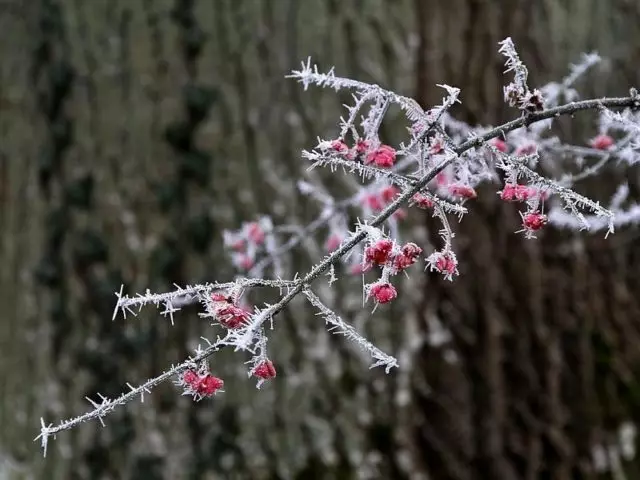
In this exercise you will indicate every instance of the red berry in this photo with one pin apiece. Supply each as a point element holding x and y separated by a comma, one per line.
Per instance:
<point>464,191</point>
<point>602,142</point>
<point>422,201</point>
<point>383,292</point>
<point>500,145</point>
<point>232,316</point>
<point>407,257</point>
<point>208,385</point>
<point>265,370</point>
<point>389,193</point>
<point>332,243</point>
<point>527,149</point>
<point>362,146</point>
<point>373,202</point>
<point>190,377</point>
<point>339,146</point>
<point>379,252</point>
<point>534,221</point>
<point>384,156</point>
<point>255,233</point>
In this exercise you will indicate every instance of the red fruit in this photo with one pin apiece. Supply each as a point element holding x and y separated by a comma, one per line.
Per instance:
<point>190,377</point>
<point>218,297</point>
<point>332,243</point>
<point>265,370</point>
<point>500,145</point>
<point>255,233</point>
<point>383,292</point>
<point>602,142</point>
<point>527,149</point>
<point>246,262</point>
<point>384,156</point>
<point>232,316</point>
<point>238,245</point>
<point>379,253</point>
<point>463,191</point>
<point>389,193</point>
<point>445,263</point>
<point>362,146</point>
<point>407,257</point>
<point>534,221</point>
<point>339,146</point>
<point>422,201</point>
<point>373,202</point>
<point>517,193</point>
<point>208,385</point>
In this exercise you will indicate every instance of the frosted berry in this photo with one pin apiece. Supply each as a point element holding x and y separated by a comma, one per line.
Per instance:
<point>528,149</point>
<point>232,316</point>
<point>190,377</point>
<point>445,263</point>
<point>332,243</point>
<point>422,201</point>
<point>389,193</point>
<point>382,292</point>
<point>208,385</point>
<point>407,256</point>
<point>362,146</point>
<point>500,145</point>
<point>463,191</point>
<point>602,142</point>
<point>384,156</point>
<point>379,252</point>
<point>245,262</point>
<point>255,233</point>
<point>339,146</point>
<point>517,193</point>
<point>265,370</point>
<point>534,221</point>
<point>373,202</point>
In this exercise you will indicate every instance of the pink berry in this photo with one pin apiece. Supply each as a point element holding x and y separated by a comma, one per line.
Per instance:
<point>602,142</point>
<point>500,145</point>
<point>255,233</point>
<point>265,370</point>
<point>208,385</point>
<point>528,149</point>
<point>362,146</point>
<point>384,156</point>
<point>534,221</point>
<point>232,316</point>
<point>407,257</point>
<point>238,245</point>
<point>389,193</point>
<point>383,292</point>
<point>246,262</point>
<point>373,202</point>
<point>517,193</point>
<point>190,377</point>
<point>422,201</point>
<point>445,263</point>
<point>339,146</point>
<point>332,243</point>
<point>463,191</point>
<point>379,253</point>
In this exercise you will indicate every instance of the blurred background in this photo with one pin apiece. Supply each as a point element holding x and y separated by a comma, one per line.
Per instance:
<point>132,132</point>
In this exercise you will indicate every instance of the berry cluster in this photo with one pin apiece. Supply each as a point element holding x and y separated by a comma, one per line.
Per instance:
<point>393,259</point>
